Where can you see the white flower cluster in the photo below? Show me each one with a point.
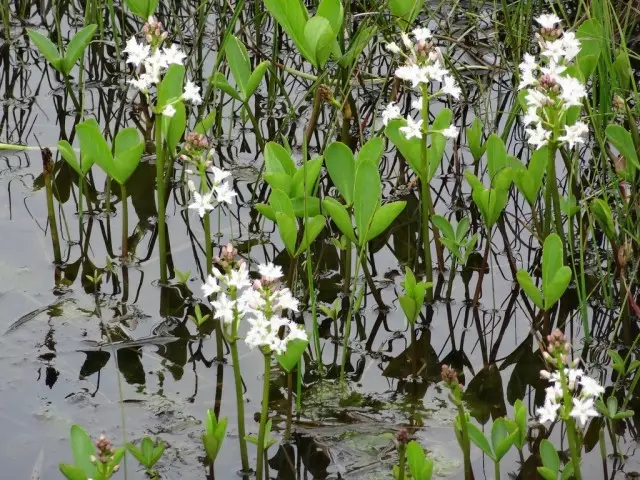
(423, 64)
(551, 90)
(261, 303)
(584, 391)
(155, 60)
(221, 192)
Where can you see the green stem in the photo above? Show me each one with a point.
(125, 221)
(162, 245)
(497, 469)
(74, 99)
(468, 474)
(452, 274)
(425, 194)
(347, 330)
(552, 184)
(402, 460)
(263, 415)
(570, 422)
(51, 213)
(244, 457)
(81, 205)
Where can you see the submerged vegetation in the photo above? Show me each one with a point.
(318, 183)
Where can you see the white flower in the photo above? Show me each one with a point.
(143, 83)
(412, 129)
(406, 40)
(572, 91)
(286, 301)
(538, 137)
(224, 193)
(202, 203)
(422, 34)
(554, 50)
(239, 278)
(174, 55)
(527, 79)
(392, 47)
(571, 46)
(155, 65)
(169, 111)
(210, 286)
(192, 93)
(223, 308)
(536, 98)
(574, 133)
(270, 272)
(450, 87)
(553, 70)
(531, 116)
(591, 387)
(136, 52)
(450, 132)
(548, 20)
(548, 412)
(390, 112)
(296, 333)
(583, 410)
(218, 174)
(435, 72)
(412, 73)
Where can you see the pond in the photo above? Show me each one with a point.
(117, 340)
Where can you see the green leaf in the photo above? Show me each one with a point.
(147, 449)
(300, 181)
(547, 474)
(312, 228)
(220, 82)
(82, 165)
(48, 50)
(496, 156)
(409, 308)
(171, 86)
(312, 204)
(526, 282)
(211, 446)
(83, 448)
(462, 229)
(474, 138)
(520, 412)
(443, 225)
(406, 10)
(529, 180)
(289, 359)
(567, 471)
(384, 217)
(549, 456)
(435, 152)
(135, 451)
(331, 10)
(342, 169)
(142, 8)
(502, 437)
(480, 440)
(239, 63)
(410, 149)
(277, 159)
(292, 16)
(622, 140)
(266, 210)
(367, 197)
(623, 72)
(176, 127)
(76, 47)
(358, 43)
(94, 146)
(555, 276)
(590, 35)
(319, 37)
(280, 202)
(340, 217)
(371, 151)
(279, 181)
(256, 77)
(128, 147)
(603, 216)
(72, 472)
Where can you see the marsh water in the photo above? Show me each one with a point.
(126, 360)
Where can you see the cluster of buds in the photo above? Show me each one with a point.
(153, 32)
(402, 437)
(105, 450)
(196, 142)
(449, 376)
(557, 347)
(226, 261)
